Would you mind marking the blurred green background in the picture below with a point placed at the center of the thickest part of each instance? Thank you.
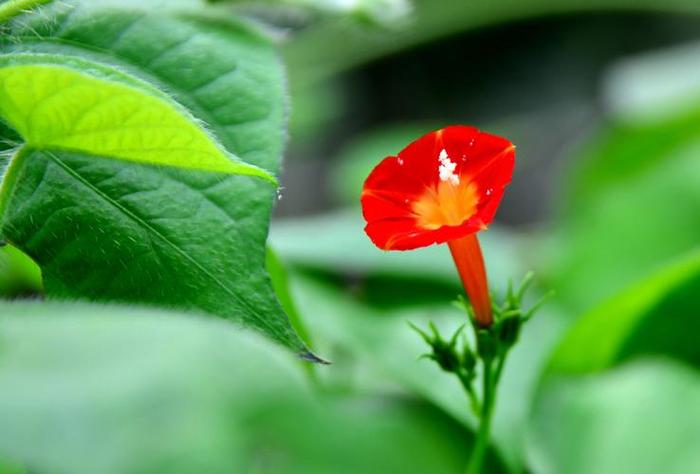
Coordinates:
(602, 99)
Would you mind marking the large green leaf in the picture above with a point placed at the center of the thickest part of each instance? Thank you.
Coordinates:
(125, 192)
(642, 418)
(91, 389)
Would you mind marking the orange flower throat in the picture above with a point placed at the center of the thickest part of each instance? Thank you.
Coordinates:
(452, 203)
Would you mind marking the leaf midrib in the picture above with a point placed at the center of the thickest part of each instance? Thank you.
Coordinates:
(131, 215)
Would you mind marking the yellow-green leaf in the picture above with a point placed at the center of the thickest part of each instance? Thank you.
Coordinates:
(55, 103)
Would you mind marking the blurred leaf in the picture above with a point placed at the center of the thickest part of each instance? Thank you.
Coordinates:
(632, 204)
(19, 275)
(340, 246)
(655, 87)
(642, 418)
(111, 213)
(7, 467)
(280, 283)
(143, 391)
(657, 316)
(332, 47)
(378, 12)
(637, 418)
(312, 109)
(376, 350)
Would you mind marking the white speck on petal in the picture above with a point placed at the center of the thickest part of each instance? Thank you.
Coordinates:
(399, 161)
(447, 168)
(489, 191)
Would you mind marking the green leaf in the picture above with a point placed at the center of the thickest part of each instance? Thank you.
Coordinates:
(655, 316)
(280, 283)
(107, 214)
(18, 274)
(643, 418)
(60, 103)
(632, 205)
(143, 391)
(12, 8)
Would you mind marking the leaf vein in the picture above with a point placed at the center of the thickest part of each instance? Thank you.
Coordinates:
(133, 216)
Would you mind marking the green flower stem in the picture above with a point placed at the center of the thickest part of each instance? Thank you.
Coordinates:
(492, 374)
(482, 436)
(12, 8)
(491, 347)
(473, 399)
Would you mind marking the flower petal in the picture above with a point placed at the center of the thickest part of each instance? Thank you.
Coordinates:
(418, 197)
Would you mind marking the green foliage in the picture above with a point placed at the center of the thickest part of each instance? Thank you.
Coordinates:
(61, 103)
(336, 46)
(375, 349)
(18, 274)
(375, 12)
(640, 418)
(140, 144)
(656, 316)
(143, 391)
(630, 171)
(604, 404)
(139, 131)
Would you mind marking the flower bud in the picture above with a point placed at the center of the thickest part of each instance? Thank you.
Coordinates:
(445, 355)
(509, 330)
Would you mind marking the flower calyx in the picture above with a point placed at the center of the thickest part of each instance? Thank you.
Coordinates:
(451, 355)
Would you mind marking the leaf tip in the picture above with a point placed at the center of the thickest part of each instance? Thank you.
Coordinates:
(309, 356)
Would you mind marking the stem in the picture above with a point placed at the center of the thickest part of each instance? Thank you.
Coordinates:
(492, 375)
(476, 460)
(12, 8)
(467, 384)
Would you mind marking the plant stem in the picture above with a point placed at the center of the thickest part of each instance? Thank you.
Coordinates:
(12, 8)
(467, 384)
(482, 436)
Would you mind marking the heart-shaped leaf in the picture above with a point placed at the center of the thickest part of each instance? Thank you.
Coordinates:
(150, 142)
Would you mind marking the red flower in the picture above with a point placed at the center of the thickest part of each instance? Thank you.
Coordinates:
(443, 187)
